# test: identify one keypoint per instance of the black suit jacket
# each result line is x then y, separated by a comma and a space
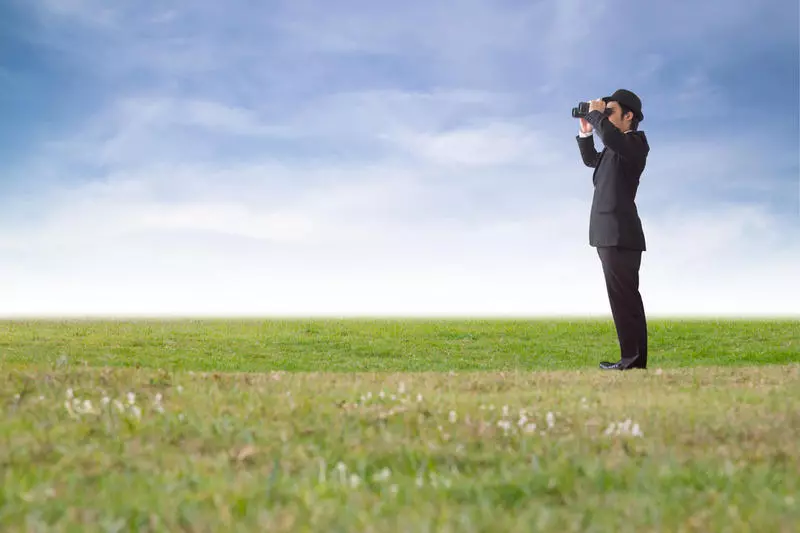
614, 218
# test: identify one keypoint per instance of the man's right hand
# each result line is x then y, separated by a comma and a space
585, 126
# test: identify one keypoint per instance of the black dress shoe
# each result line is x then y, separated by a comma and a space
605, 365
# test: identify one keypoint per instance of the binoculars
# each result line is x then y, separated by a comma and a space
583, 109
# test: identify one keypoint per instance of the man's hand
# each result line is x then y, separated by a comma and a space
597, 105
585, 126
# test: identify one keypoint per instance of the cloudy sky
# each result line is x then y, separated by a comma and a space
388, 158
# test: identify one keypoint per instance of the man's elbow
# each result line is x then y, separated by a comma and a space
629, 153
588, 159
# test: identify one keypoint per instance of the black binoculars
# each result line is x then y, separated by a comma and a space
583, 109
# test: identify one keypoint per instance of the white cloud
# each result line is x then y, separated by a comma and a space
495, 144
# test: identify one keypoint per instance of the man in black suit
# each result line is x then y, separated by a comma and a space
615, 229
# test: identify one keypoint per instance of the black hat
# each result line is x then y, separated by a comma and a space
629, 100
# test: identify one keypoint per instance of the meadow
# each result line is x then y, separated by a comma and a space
397, 425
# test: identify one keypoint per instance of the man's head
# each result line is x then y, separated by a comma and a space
621, 116
626, 110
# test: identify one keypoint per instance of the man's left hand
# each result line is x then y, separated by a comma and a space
597, 105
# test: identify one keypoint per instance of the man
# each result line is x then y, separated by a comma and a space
615, 229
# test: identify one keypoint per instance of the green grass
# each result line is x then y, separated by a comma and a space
385, 434
389, 345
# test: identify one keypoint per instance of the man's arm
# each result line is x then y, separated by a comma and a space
627, 146
589, 153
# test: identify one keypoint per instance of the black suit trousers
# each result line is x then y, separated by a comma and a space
621, 272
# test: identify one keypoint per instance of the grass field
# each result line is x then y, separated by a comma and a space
397, 425
389, 345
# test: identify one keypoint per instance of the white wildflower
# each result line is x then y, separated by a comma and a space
381, 394
522, 420
137, 411
453, 417
131, 398
180, 389
402, 388
505, 410
87, 406
119, 406
354, 481
530, 428
70, 394
624, 428
383, 475
419, 397
550, 420
105, 400
157, 403
393, 489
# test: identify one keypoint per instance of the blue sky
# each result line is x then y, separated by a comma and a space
388, 157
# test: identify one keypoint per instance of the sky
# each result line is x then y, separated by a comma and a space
369, 158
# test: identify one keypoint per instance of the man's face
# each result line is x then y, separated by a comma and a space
615, 116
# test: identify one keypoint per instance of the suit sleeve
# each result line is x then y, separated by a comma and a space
589, 153
627, 146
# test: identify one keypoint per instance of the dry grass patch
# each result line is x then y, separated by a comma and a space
706, 449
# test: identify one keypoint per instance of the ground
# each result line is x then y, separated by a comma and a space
397, 425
